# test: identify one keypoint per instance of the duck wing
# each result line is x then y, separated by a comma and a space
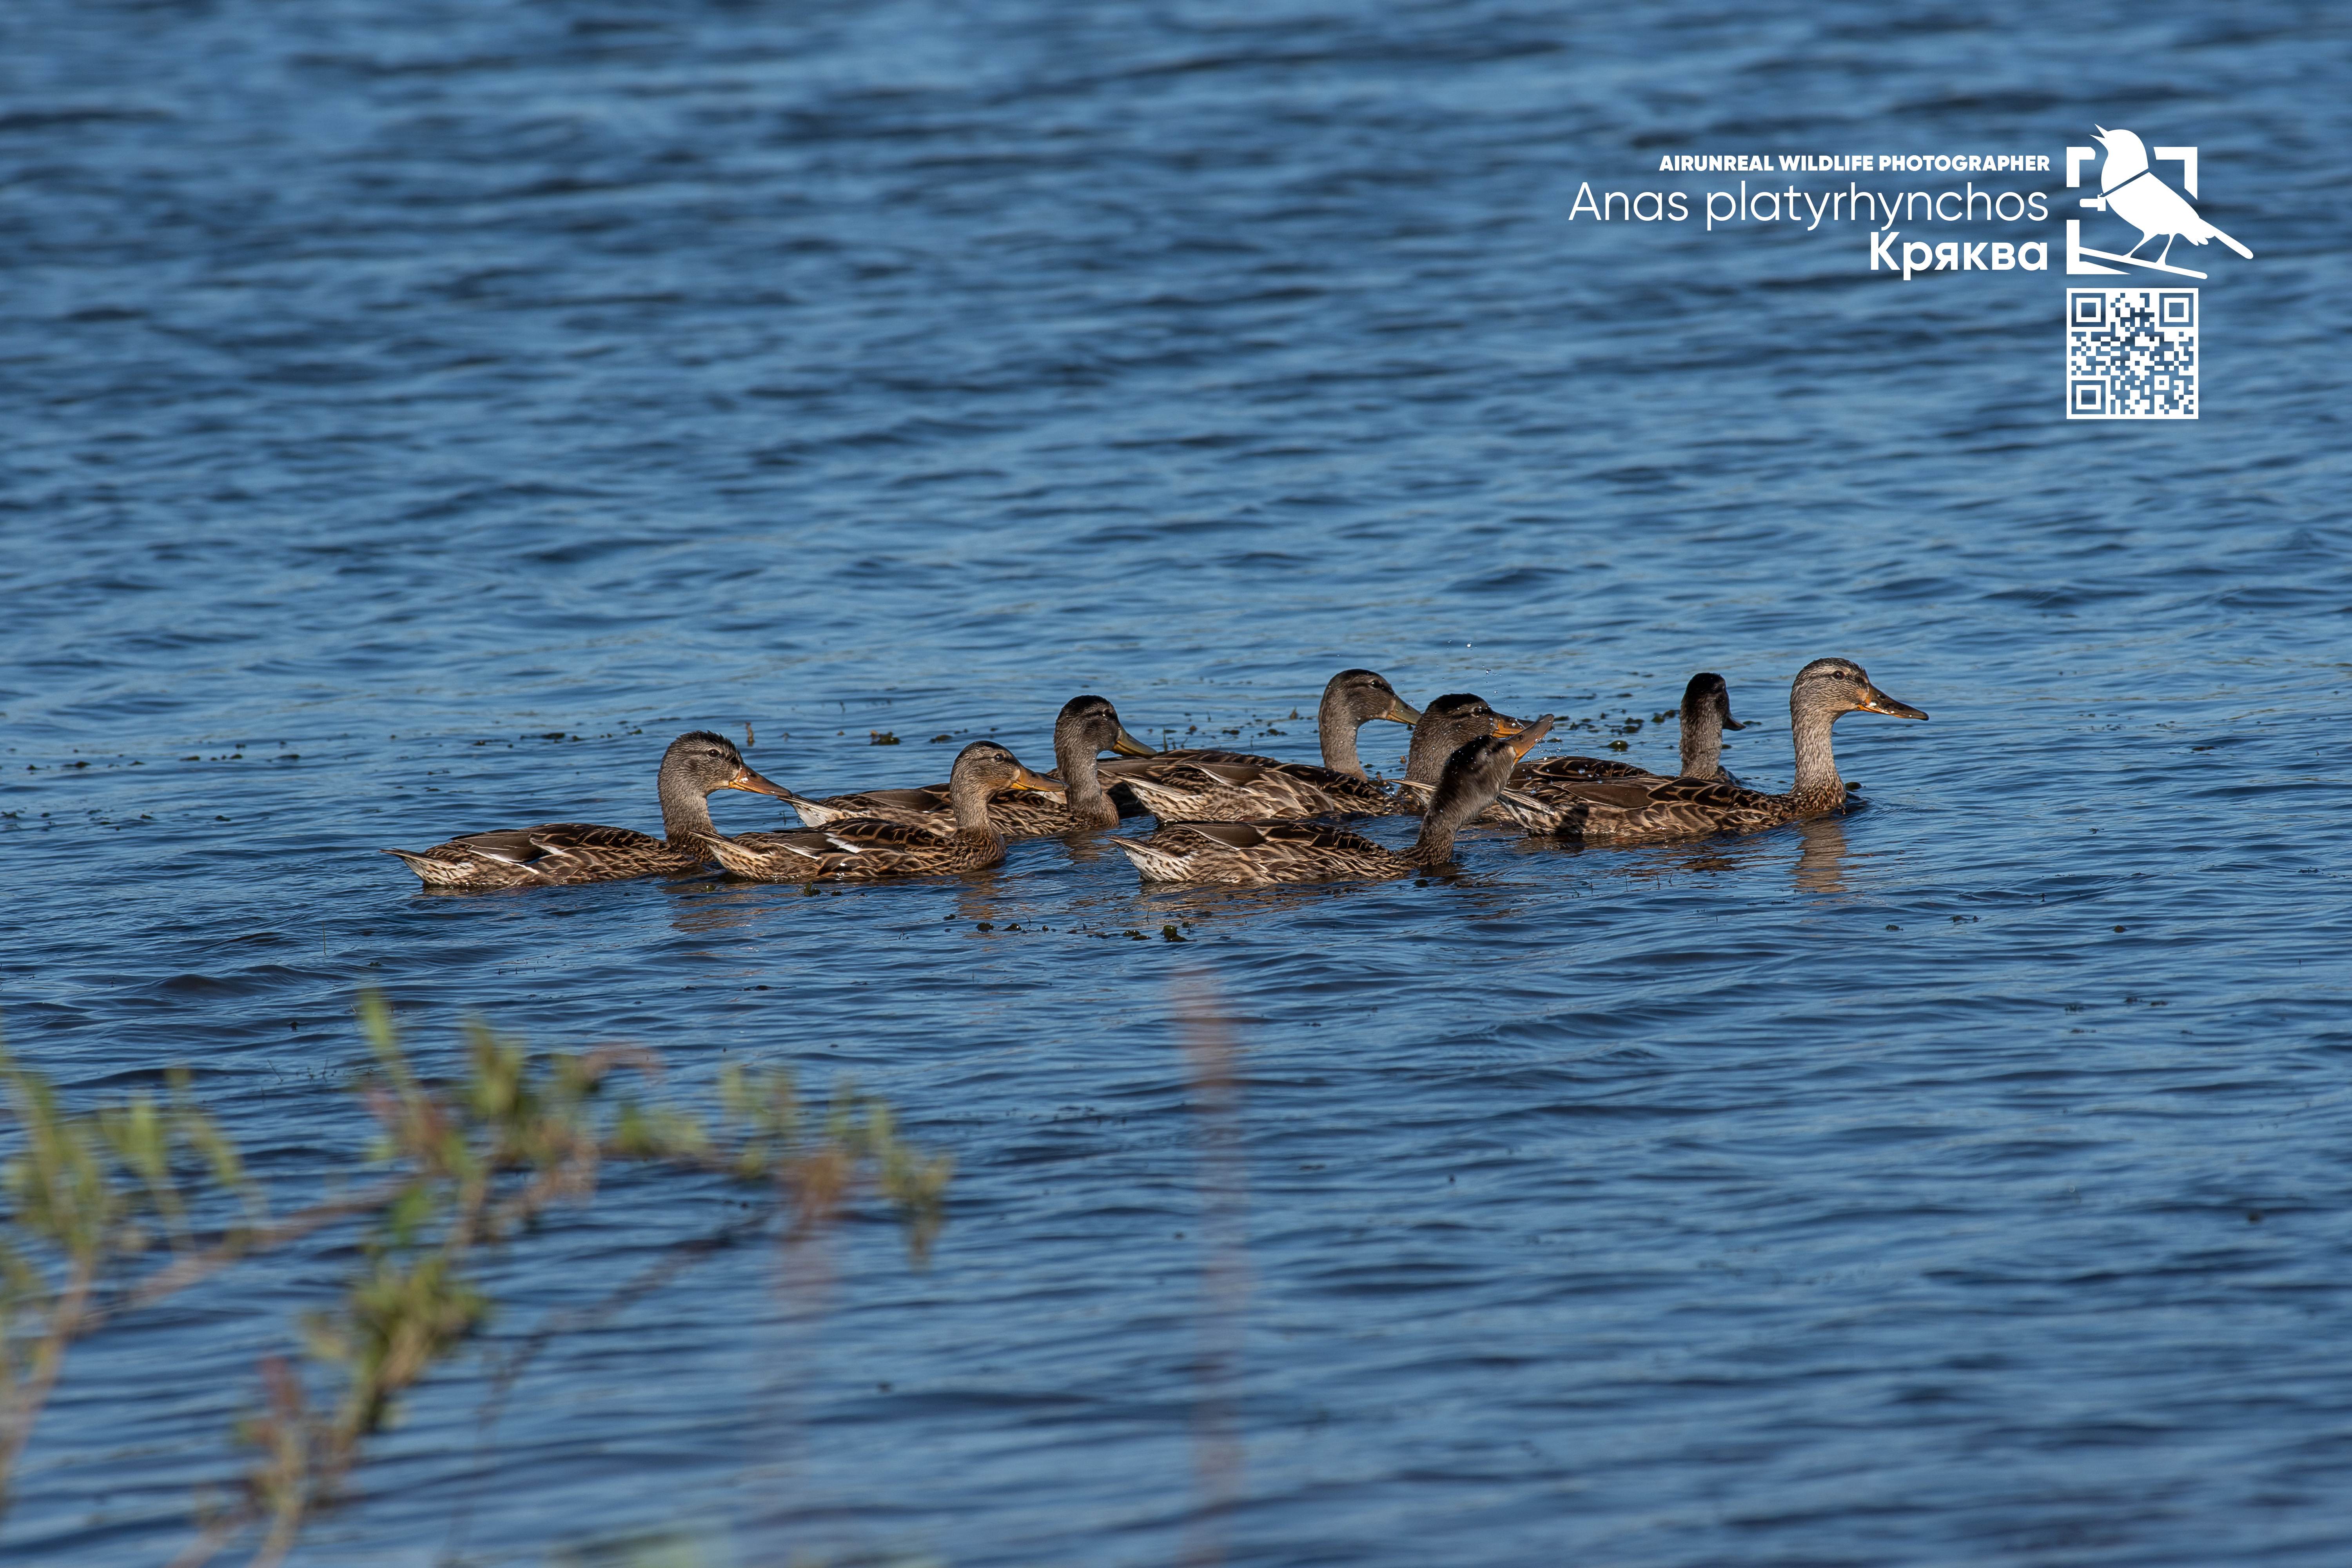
1279, 850
895, 805
1116, 767
1537, 778
553, 854
1237, 792
1637, 811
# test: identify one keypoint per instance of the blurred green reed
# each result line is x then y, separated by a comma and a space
102, 1219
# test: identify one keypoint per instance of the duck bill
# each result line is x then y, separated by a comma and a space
745, 779
1401, 712
1024, 779
1126, 745
1506, 727
1877, 702
1728, 721
1525, 741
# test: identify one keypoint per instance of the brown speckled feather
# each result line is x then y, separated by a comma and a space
555, 854
857, 849
1017, 816
1655, 811
1175, 789
1551, 778
1277, 851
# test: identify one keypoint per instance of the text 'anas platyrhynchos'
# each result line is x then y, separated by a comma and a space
1706, 715
559, 853
1650, 811
867, 848
1211, 783
1086, 726
1294, 850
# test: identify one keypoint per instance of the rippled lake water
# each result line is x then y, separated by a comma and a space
419, 413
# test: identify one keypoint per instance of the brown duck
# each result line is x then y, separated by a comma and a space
558, 854
1086, 726
1216, 783
1294, 850
867, 849
1241, 792
1706, 715
1652, 811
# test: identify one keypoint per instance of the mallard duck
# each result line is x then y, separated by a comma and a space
867, 849
1088, 725
1649, 811
1216, 783
558, 854
1291, 851
1444, 726
1351, 699
1244, 792
1450, 722
1706, 715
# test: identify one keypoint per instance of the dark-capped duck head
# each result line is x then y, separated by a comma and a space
992, 770
1707, 696
698, 763
1360, 695
1446, 726
1091, 724
1477, 771
1835, 686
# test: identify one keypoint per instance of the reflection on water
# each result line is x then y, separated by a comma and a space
717, 906
1821, 865
1216, 1068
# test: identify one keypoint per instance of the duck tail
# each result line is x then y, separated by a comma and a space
1531, 814
811, 812
780, 864
1153, 862
431, 872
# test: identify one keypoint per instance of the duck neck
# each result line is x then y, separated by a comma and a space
1424, 758
1817, 774
1447, 813
969, 798
1702, 744
1337, 727
1082, 781
686, 812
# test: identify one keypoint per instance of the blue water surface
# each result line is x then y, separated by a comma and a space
488, 392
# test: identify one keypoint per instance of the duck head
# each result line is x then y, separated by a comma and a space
1360, 696
1090, 724
1836, 685
1474, 776
698, 762
1707, 696
1446, 726
988, 769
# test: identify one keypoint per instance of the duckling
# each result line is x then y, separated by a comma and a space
1085, 726
1218, 792
1650, 811
559, 854
1291, 851
867, 849
1706, 715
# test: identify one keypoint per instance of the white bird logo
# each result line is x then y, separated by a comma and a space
2131, 190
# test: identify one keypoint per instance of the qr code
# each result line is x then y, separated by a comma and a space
2131, 354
